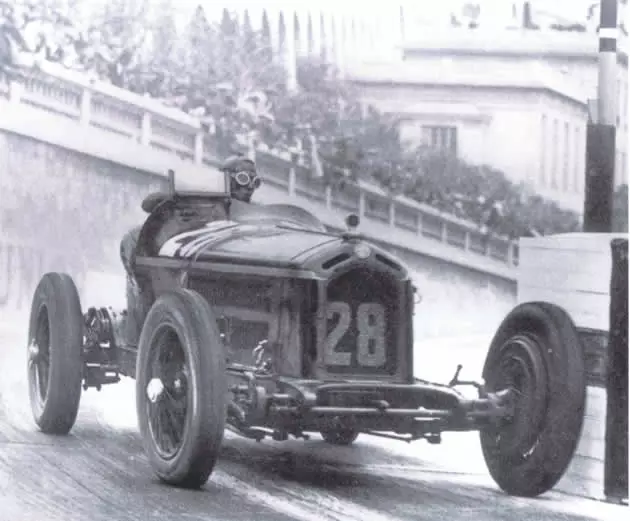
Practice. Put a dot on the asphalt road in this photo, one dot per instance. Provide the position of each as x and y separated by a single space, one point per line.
99 472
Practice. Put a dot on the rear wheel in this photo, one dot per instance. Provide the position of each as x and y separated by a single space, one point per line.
339 436
537 353
181 388
55 367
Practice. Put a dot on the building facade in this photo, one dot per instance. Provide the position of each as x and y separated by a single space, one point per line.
516 100
510 92
527 125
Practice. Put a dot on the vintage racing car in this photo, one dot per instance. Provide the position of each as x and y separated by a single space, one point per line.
329 317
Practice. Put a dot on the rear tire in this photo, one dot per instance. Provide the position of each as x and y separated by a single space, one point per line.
181 389
339 436
55 366
536 350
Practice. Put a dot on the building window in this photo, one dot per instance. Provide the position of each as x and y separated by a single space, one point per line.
619 168
565 166
619 103
555 140
624 107
577 160
443 139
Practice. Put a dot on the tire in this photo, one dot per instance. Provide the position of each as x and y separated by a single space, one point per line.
181 327
339 436
55 365
528 454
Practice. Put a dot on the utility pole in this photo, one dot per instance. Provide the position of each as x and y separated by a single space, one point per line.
601 129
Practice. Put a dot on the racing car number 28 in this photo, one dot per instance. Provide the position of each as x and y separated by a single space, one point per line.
369 322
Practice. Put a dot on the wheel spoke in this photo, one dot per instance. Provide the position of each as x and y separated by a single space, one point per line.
36 381
44 382
175 402
174 425
161 429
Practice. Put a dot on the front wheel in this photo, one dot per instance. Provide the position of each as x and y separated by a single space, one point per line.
537 353
181 388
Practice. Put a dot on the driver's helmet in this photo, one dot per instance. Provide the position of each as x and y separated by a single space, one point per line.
244 179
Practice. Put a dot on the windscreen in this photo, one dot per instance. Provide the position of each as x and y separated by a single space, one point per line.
196 178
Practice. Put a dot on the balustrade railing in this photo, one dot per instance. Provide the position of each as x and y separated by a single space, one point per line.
147 122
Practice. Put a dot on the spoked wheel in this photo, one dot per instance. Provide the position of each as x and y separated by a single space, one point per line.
181 389
55 367
537 354
339 436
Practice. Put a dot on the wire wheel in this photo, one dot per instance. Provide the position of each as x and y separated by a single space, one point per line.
537 353
520 369
55 365
181 388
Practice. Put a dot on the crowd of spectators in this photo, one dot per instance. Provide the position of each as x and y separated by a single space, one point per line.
240 90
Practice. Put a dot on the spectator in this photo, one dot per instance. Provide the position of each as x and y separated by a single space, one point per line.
245 99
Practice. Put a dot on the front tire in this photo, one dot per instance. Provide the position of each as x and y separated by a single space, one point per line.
55 366
181 388
537 352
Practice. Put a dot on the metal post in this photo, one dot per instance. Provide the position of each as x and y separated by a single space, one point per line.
601 130
616 458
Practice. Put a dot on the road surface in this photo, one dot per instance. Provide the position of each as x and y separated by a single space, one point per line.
99 472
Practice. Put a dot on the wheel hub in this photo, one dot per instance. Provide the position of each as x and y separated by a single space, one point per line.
155 390
520 368
33 352
180 382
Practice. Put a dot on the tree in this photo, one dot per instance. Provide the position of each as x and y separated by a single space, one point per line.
265 36
310 46
199 41
10 38
164 33
114 37
103 39
225 72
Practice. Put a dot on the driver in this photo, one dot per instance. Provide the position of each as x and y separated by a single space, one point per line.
244 181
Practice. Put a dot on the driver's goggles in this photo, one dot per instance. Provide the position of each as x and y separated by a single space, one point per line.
247 179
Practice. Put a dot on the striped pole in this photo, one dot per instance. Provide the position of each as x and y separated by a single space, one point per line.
601 133
606 91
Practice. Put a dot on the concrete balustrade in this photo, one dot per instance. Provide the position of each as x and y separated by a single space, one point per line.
169 132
